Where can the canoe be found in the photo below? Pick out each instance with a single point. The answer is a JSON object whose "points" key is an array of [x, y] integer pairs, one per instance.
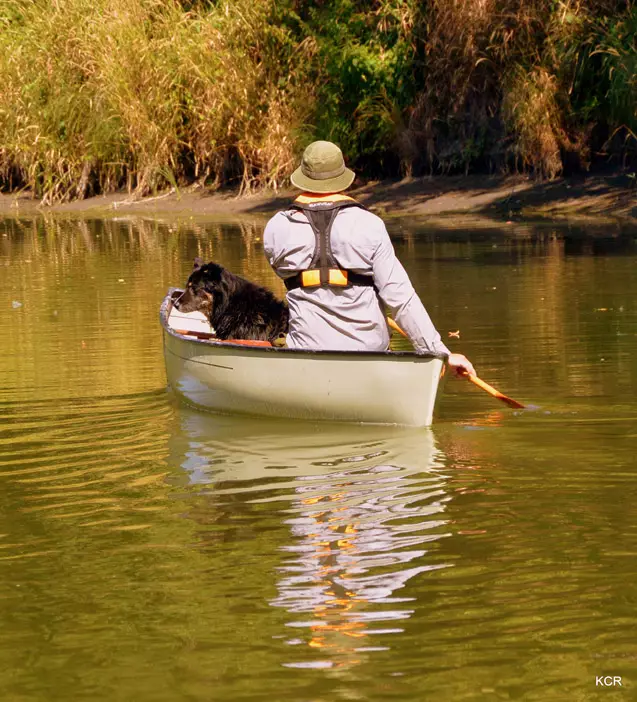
{"points": [[391, 387]]}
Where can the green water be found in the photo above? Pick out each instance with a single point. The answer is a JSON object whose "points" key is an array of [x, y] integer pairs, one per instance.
{"points": [[151, 552]]}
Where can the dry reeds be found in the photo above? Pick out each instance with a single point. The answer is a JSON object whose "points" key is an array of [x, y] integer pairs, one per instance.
{"points": [[530, 108], [515, 83], [97, 94]]}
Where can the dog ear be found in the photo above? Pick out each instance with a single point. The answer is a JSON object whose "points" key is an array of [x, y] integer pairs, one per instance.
{"points": [[198, 264], [215, 273]]}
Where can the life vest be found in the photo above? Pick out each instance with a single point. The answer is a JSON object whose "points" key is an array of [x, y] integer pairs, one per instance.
{"points": [[324, 270]]}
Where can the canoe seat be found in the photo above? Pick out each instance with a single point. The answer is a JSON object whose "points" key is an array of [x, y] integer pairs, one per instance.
{"points": [[196, 324], [189, 321]]}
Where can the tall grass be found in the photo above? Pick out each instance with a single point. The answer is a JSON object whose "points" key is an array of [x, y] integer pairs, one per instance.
{"points": [[98, 95], [604, 83], [521, 84], [530, 106]]}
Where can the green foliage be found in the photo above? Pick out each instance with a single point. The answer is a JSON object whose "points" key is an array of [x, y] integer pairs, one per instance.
{"points": [[605, 87], [363, 70], [101, 94]]}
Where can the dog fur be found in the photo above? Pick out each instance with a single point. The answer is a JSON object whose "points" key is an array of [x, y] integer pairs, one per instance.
{"points": [[235, 307]]}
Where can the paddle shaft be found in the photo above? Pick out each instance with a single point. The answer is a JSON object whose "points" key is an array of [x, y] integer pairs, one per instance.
{"points": [[469, 376], [492, 391], [395, 327]]}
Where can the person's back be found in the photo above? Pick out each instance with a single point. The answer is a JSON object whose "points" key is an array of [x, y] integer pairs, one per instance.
{"points": [[343, 318], [339, 265]]}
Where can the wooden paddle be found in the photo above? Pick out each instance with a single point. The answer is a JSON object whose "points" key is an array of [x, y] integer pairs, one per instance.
{"points": [[492, 391], [469, 376]]}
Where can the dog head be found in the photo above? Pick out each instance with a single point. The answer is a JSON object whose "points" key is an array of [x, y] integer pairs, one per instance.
{"points": [[203, 286]]}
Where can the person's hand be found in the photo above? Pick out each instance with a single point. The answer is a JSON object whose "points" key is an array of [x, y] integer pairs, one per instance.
{"points": [[460, 364]]}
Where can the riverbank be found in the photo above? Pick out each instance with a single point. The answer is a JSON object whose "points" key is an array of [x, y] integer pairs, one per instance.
{"points": [[491, 198]]}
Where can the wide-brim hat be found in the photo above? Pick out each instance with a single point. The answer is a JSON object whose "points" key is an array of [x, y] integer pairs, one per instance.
{"points": [[322, 169]]}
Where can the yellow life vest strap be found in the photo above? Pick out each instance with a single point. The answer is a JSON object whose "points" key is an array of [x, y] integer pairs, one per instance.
{"points": [[312, 201], [336, 277]]}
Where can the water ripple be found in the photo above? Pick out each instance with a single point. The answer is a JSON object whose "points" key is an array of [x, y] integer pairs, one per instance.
{"points": [[96, 463]]}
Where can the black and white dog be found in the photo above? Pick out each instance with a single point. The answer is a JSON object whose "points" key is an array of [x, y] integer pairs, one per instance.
{"points": [[235, 307]]}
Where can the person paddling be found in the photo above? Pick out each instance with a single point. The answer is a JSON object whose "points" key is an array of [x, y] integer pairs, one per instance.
{"points": [[339, 265]]}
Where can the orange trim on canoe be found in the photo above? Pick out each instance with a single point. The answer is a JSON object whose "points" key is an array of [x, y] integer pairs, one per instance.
{"points": [[245, 342], [211, 337]]}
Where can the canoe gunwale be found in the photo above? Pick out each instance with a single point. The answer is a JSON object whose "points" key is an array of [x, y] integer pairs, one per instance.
{"points": [[166, 307]]}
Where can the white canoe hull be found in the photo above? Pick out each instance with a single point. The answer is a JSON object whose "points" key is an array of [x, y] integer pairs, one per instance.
{"points": [[384, 388]]}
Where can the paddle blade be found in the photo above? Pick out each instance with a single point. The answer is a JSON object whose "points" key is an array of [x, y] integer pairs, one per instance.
{"points": [[473, 378], [492, 391]]}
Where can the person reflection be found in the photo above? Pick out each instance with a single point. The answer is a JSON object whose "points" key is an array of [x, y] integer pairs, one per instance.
{"points": [[365, 508], [363, 529]]}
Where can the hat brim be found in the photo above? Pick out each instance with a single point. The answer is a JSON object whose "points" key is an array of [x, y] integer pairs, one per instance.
{"points": [[329, 185]]}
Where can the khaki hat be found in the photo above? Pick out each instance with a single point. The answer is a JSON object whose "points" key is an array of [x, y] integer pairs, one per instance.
{"points": [[322, 169]]}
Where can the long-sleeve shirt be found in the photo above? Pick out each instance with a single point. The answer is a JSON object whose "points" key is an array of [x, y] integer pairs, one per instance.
{"points": [[348, 319]]}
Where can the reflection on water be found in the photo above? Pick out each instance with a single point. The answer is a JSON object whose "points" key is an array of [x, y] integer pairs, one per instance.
{"points": [[151, 552], [365, 507]]}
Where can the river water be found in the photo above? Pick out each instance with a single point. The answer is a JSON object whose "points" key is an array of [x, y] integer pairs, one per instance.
{"points": [[153, 552]]}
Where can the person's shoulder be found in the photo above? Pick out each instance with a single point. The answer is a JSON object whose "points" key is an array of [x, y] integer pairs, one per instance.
{"points": [[275, 229], [280, 216], [362, 217], [366, 215], [278, 221]]}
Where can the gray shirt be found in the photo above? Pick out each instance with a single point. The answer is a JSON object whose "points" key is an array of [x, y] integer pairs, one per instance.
{"points": [[348, 319]]}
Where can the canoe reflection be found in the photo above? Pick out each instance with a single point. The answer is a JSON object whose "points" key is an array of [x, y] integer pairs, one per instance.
{"points": [[364, 505]]}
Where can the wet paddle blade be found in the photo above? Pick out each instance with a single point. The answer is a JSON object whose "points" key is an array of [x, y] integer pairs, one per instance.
{"points": [[492, 391]]}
